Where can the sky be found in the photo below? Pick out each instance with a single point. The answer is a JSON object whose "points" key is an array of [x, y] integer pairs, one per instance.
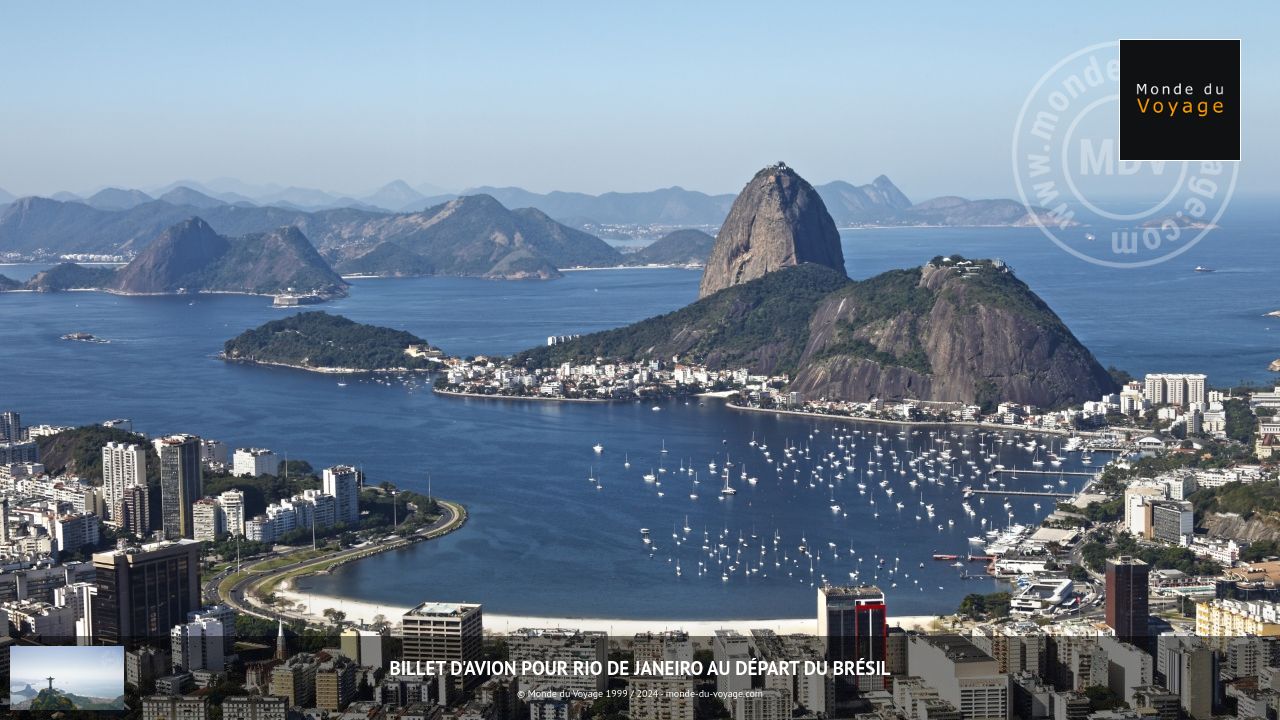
{"points": [[589, 97], [83, 670]]}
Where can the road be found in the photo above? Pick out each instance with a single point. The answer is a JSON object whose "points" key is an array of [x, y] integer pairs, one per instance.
{"points": [[236, 595]]}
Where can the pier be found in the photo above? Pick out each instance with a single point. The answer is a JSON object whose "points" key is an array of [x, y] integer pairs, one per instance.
{"points": [[1074, 473], [1027, 493]]}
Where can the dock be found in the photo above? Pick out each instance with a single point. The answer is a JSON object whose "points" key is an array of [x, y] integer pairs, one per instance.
{"points": [[1073, 473], [1026, 493]]}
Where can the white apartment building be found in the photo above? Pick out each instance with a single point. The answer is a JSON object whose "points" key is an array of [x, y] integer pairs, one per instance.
{"points": [[1179, 389], [342, 482], [252, 462], [231, 503], [124, 465]]}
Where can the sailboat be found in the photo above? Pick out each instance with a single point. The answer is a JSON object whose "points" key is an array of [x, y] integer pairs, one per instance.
{"points": [[727, 489], [626, 461]]}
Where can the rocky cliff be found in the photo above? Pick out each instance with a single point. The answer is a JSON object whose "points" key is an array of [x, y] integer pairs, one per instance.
{"points": [[953, 330], [777, 221]]}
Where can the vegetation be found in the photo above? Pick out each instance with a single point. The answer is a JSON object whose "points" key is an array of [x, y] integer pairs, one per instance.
{"points": [[320, 340], [877, 301], [1159, 557], [79, 451], [763, 324], [679, 247], [992, 605], [1243, 499], [1103, 698], [1242, 424], [1260, 550]]}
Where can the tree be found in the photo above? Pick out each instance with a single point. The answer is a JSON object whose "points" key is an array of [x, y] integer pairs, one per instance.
{"points": [[335, 616]]}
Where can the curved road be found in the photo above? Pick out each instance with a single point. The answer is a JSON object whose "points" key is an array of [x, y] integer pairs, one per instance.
{"points": [[236, 595]]}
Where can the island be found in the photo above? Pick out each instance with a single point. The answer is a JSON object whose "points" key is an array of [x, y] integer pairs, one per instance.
{"points": [[319, 342]]}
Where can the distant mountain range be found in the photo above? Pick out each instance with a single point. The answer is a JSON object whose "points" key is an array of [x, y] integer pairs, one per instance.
{"points": [[877, 203], [191, 257]]}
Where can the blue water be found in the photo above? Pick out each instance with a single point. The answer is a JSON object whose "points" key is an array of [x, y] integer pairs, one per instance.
{"points": [[542, 539]]}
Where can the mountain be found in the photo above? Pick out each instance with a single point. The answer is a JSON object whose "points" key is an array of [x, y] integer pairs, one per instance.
{"points": [[882, 203], [472, 235], [6, 197], [117, 199], [778, 220], [302, 198], [668, 206], [848, 202], [954, 330], [8, 284], [682, 247], [387, 259], [396, 196], [185, 196], [70, 276], [191, 256]]}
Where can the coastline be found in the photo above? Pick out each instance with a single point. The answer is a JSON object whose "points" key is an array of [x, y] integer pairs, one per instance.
{"points": [[322, 370], [363, 611], [918, 423], [539, 398]]}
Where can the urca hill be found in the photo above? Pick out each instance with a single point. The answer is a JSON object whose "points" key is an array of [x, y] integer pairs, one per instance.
{"points": [[776, 298]]}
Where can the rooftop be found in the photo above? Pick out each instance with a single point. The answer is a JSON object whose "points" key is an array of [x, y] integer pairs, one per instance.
{"points": [[442, 609], [956, 648]]}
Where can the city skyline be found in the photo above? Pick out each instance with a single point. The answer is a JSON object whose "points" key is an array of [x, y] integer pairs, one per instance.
{"points": [[595, 100]]}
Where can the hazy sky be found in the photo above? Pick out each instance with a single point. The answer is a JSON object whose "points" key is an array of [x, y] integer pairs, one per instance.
{"points": [[572, 96], [90, 671]]}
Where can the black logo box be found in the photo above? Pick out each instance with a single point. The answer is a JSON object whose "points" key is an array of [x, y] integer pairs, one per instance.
{"points": [[1184, 65]]}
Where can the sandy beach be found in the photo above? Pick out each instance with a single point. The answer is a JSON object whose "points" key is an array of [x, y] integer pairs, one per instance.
{"points": [[359, 611]]}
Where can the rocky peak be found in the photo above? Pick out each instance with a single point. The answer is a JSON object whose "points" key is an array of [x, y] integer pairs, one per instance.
{"points": [[777, 221]]}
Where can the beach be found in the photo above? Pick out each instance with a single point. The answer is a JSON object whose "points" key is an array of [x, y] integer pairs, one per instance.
{"points": [[364, 612]]}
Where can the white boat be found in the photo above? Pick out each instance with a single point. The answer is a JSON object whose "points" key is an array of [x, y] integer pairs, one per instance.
{"points": [[598, 448]]}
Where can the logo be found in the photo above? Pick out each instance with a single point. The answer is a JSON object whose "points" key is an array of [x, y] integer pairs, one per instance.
{"points": [[1083, 196]]}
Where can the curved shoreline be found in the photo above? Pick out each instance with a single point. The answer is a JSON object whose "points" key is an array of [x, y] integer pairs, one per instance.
{"points": [[240, 593], [539, 398], [923, 423], [321, 370]]}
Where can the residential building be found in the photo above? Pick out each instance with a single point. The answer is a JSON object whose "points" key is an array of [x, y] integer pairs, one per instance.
{"points": [[335, 683], [963, 675], [295, 680], [231, 503], [552, 645], [1173, 521], [342, 482], [199, 645], [254, 707], [252, 462], [124, 465], [661, 698], [206, 519], [174, 707]]}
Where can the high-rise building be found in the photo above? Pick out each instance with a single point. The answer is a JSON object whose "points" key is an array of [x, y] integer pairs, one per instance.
{"points": [[853, 622], [135, 510], [181, 483], [206, 520], [364, 646], [341, 481], [11, 426], [199, 645], [124, 465], [731, 646], [962, 674], [1127, 611], [335, 683], [443, 631], [295, 680], [231, 502], [144, 591], [1181, 389], [1173, 521]]}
